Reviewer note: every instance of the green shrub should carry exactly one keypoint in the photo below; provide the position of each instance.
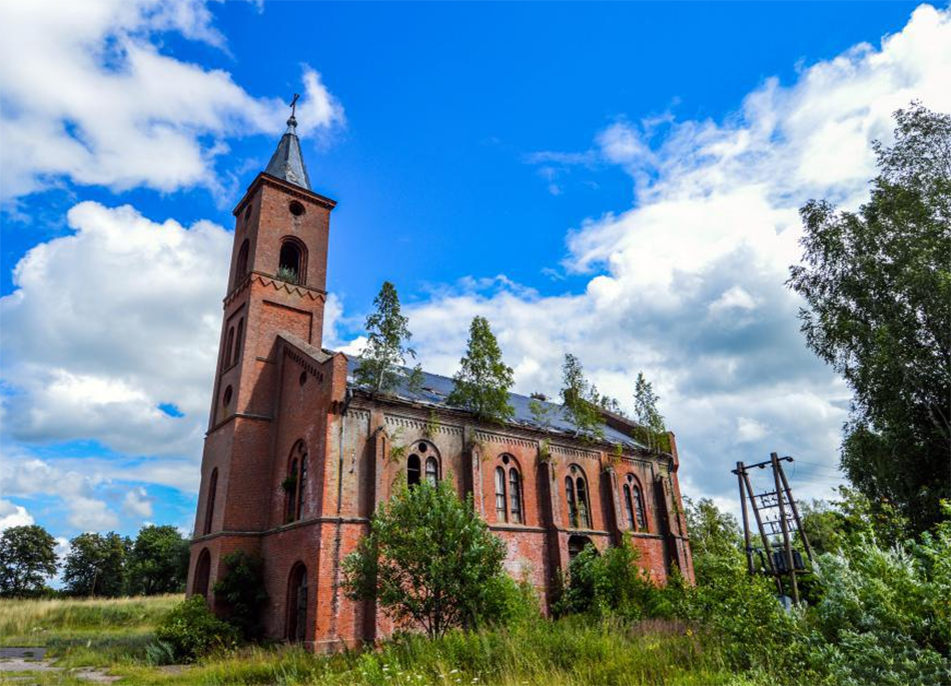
(242, 590)
(509, 602)
(192, 630)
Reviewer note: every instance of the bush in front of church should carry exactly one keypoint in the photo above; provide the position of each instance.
(191, 631)
(430, 562)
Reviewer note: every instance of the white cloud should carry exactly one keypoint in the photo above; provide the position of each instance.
(688, 285)
(137, 503)
(13, 515)
(88, 95)
(90, 514)
(129, 312)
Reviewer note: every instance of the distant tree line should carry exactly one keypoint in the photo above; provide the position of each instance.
(104, 565)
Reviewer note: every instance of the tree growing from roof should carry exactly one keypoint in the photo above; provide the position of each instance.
(577, 398)
(483, 381)
(27, 559)
(382, 364)
(95, 565)
(158, 561)
(648, 416)
(878, 287)
(429, 560)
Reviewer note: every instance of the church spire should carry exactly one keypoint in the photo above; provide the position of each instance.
(287, 162)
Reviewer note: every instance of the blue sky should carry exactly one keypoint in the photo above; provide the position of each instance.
(616, 180)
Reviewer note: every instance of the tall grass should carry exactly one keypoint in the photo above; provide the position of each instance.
(40, 622)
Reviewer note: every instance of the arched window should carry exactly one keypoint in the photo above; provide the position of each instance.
(291, 266)
(432, 471)
(572, 505)
(629, 508)
(515, 495)
(202, 574)
(423, 455)
(500, 511)
(238, 336)
(576, 493)
(229, 347)
(412, 470)
(297, 604)
(295, 483)
(210, 505)
(576, 544)
(638, 504)
(241, 266)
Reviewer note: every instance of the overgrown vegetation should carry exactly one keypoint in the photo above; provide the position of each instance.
(241, 590)
(579, 400)
(382, 363)
(878, 285)
(483, 381)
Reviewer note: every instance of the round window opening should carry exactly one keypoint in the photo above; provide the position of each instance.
(303, 378)
(422, 447)
(505, 459)
(296, 208)
(227, 396)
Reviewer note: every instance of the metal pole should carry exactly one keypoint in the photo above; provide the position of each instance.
(795, 512)
(740, 471)
(762, 533)
(787, 544)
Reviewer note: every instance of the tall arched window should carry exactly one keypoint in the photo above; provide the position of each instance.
(241, 266)
(202, 574)
(238, 336)
(295, 484)
(210, 504)
(638, 504)
(412, 470)
(576, 493)
(432, 471)
(229, 347)
(515, 495)
(500, 511)
(297, 604)
(629, 508)
(423, 455)
(292, 261)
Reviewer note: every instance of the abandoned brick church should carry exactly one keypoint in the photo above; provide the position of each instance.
(297, 457)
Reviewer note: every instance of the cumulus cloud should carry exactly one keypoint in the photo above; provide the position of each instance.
(137, 503)
(128, 311)
(88, 95)
(688, 285)
(13, 515)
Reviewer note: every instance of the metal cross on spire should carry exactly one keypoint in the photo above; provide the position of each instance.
(294, 104)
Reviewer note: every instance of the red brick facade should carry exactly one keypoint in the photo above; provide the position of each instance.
(281, 401)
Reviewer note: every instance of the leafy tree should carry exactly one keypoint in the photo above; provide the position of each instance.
(878, 287)
(242, 588)
(831, 527)
(429, 560)
(95, 565)
(715, 539)
(158, 561)
(654, 433)
(27, 559)
(542, 412)
(579, 401)
(381, 365)
(483, 381)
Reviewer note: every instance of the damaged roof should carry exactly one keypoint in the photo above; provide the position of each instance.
(435, 389)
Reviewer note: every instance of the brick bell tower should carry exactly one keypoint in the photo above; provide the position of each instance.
(276, 285)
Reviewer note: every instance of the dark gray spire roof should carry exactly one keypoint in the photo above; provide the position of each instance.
(287, 162)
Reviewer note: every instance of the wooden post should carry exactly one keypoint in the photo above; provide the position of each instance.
(795, 511)
(787, 544)
(740, 471)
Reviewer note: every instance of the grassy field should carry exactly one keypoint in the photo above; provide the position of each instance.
(113, 635)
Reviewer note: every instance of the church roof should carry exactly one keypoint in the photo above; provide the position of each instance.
(435, 389)
(287, 162)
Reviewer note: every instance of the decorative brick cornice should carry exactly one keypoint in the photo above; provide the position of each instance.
(307, 292)
(305, 361)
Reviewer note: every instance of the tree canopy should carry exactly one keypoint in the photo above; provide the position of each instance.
(483, 381)
(158, 561)
(429, 560)
(878, 287)
(580, 399)
(383, 359)
(27, 560)
(95, 565)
